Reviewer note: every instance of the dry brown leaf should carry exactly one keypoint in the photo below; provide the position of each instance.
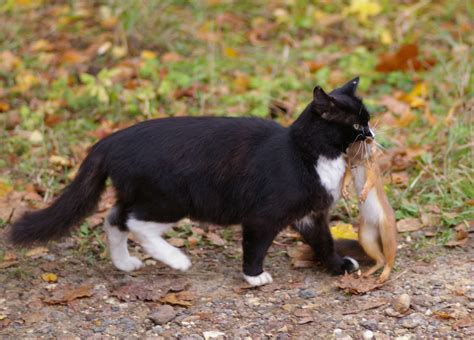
(179, 299)
(467, 321)
(72, 57)
(456, 243)
(8, 264)
(408, 225)
(37, 252)
(241, 82)
(301, 252)
(9, 256)
(430, 220)
(400, 178)
(406, 58)
(215, 239)
(4, 106)
(443, 314)
(175, 241)
(192, 241)
(67, 294)
(353, 285)
(141, 290)
(197, 231)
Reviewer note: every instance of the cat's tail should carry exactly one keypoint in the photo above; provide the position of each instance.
(76, 201)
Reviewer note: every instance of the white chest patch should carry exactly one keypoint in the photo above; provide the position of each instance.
(330, 172)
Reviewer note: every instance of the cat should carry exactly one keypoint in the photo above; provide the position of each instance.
(247, 171)
(378, 230)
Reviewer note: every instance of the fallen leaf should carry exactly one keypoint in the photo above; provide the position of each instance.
(171, 57)
(456, 243)
(8, 61)
(231, 52)
(179, 299)
(49, 277)
(8, 264)
(177, 242)
(353, 285)
(443, 314)
(60, 161)
(301, 252)
(198, 231)
(408, 225)
(467, 321)
(31, 318)
(41, 45)
(141, 290)
(400, 178)
(148, 55)
(430, 220)
(302, 263)
(5, 189)
(67, 294)
(37, 252)
(344, 231)
(401, 110)
(461, 232)
(9, 256)
(406, 58)
(36, 137)
(192, 241)
(241, 82)
(4, 106)
(215, 239)
(364, 9)
(72, 57)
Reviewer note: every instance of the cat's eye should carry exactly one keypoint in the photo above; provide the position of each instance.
(356, 126)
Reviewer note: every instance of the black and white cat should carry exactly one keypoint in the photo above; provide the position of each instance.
(225, 171)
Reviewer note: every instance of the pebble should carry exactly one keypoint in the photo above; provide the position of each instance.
(371, 324)
(163, 315)
(306, 293)
(401, 303)
(411, 321)
(367, 335)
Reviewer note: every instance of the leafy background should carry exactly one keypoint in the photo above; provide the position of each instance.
(72, 72)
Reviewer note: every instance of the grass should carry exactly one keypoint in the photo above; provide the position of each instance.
(82, 70)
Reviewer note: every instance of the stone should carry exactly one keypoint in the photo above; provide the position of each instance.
(163, 315)
(401, 303)
(367, 335)
(371, 324)
(306, 293)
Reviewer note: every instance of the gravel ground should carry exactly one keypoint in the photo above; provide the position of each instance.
(211, 300)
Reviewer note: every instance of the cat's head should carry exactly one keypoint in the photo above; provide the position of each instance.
(343, 108)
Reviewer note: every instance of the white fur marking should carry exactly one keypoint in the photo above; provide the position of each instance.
(370, 209)
(304, 223)
(330, 172)
(149, 236)
(259, 280)
(118, 249)
(354, 262)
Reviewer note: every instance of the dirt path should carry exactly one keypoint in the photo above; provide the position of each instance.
(300, 303)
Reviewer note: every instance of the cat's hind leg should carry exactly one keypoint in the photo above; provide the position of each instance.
(149, 234)
(118, 248)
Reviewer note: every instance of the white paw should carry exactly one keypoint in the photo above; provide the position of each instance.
(355, 264)
(259, 280)
(179, 261)
(129, 264)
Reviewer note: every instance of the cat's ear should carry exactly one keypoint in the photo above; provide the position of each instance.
(320, 97)
(348, 88)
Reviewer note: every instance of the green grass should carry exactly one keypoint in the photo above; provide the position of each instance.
(236, 59)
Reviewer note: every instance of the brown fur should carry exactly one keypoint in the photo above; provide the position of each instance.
(379, 239)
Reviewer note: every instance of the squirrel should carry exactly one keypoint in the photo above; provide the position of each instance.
(377, 231)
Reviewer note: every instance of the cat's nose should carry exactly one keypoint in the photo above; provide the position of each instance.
(368, 133)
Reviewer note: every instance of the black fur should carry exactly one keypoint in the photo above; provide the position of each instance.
(220, 170)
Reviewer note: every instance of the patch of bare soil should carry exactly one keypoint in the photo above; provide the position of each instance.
(63, 292)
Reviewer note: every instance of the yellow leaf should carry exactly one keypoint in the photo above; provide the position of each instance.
(148, 55)
(230, 52)
(24, 81)
(416, 97)
(2, 317)
(41, 45)
(364, 9)
(343, 230)
(5, 189)
(49, 277)
(386, 37)
(241, 82)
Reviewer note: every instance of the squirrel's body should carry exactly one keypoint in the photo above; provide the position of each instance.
(377, 231)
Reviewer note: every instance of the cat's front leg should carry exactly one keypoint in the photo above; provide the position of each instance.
(315, 231)
(255, 244)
